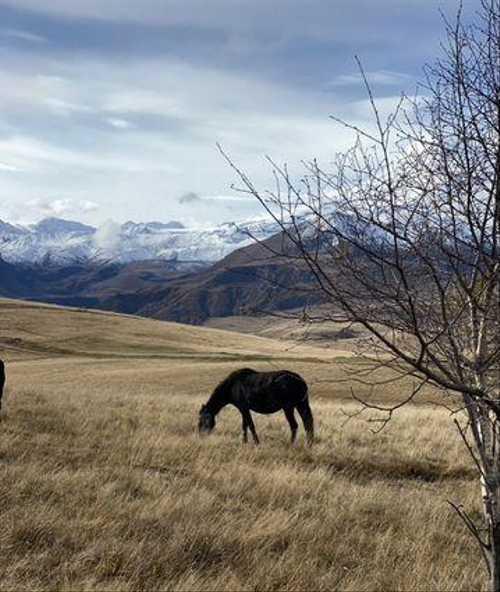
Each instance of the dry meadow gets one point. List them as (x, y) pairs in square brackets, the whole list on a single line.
[(104, 484)]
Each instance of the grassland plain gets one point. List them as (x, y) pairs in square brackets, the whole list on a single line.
[(104, 484)]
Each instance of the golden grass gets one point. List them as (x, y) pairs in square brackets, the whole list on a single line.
[(37, 329), (104, 484)]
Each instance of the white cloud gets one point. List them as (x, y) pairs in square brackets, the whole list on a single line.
[(29, 154), (23, 35), (87, 205), (59, 207), (362, 111), (229, 198), (382, 77), (194, 199), (179, 113), (38, 156), (66, 107), (150, 101), (107, 236), (119, 123), (10, 168), (25, 89)]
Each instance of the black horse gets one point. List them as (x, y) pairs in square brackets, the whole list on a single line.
[(263, 392), (2, 380)]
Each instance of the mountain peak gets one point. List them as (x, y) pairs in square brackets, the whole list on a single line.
[(68, 241), (54, 226), (7, 229)]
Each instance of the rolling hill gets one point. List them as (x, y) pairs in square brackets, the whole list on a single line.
[(39, 330)]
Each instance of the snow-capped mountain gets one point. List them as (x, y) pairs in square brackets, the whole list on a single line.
[(63, 241), (54, 227), (10, 230)]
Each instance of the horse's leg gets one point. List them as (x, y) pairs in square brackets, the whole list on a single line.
[(292, 421), (248, 417), (244, 427), (307, 418)]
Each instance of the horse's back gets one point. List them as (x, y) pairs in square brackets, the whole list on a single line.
[(272, 391), (289, 380)]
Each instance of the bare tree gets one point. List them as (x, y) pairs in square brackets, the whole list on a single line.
[(401, 235)]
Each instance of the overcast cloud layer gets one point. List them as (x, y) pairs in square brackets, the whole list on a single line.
[(112, 109)]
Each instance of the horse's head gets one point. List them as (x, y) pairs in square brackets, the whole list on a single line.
[(206, 422)]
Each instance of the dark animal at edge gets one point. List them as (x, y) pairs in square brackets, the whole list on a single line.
[(262, 392), (2, 380)]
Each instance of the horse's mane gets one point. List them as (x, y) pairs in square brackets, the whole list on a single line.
[(228, 381)]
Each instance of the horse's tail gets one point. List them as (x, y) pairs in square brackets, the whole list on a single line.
[(305, 413), (306, 390), (2, 380), (299, 380), (304, 409)]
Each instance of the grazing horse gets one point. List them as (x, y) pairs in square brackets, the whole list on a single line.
[(262, 392), (2, 380)]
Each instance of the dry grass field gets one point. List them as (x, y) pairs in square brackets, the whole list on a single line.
[(104, 484), (332, 335)]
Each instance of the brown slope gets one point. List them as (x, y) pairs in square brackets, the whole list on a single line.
[(86, 284), (251, 280)]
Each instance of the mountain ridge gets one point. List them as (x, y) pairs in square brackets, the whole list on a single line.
[(249, 280), (60, 241)]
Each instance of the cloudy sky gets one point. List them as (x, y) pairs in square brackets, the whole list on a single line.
[(113, 108)]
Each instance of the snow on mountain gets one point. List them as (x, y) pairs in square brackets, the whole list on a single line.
[(55, 227), (63, 241), (7, 229)]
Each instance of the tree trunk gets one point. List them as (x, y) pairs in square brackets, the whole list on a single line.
[(485, 431), (494, 558), (490, 485)]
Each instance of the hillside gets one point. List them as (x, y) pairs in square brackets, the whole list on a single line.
[(84, 283), (30, 329), (288, 327)]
